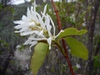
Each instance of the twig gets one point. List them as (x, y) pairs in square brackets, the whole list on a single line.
[(63, 42)]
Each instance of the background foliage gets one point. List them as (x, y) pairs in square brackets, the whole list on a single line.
[(81, 14)]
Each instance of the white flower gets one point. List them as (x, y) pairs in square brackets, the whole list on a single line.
[(83, 24), (44, 0), (78, 66), (37, 27), (18, 46), (72, 17)]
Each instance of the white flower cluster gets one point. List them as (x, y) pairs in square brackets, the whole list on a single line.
[(36, 26)]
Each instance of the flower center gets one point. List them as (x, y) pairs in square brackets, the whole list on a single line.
[(38, 28), (37, 24)]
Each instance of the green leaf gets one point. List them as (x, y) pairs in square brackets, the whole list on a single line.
[(12, 10), (81, 32), (72, 31), (77, 48), (32, 0), (1, 5), (0, 53), (40, 52)]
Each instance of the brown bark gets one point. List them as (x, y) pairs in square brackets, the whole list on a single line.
[(91, 28)]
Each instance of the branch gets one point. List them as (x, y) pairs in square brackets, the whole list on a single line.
[(63, 42)]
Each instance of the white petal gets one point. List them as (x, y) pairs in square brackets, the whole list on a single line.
[(37, 39), (18, 27), (24, 29), (48, 26), (28, 13), (49, 30), (34, 17), (34, 4), (32, 44), (49, 40), (24, 24), (19, 22), (21, 26), (40, 20), (52, 23), (24, 18), (47, 20), (41, 33), (31, 24), (45, 8), (59, 33), (27, 33), (37, 32), (16, 31), (27, 42)]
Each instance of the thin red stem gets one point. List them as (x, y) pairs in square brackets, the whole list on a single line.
[(63, 42), (57, 15)]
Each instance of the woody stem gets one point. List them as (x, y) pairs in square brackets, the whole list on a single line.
[(63, 42)]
